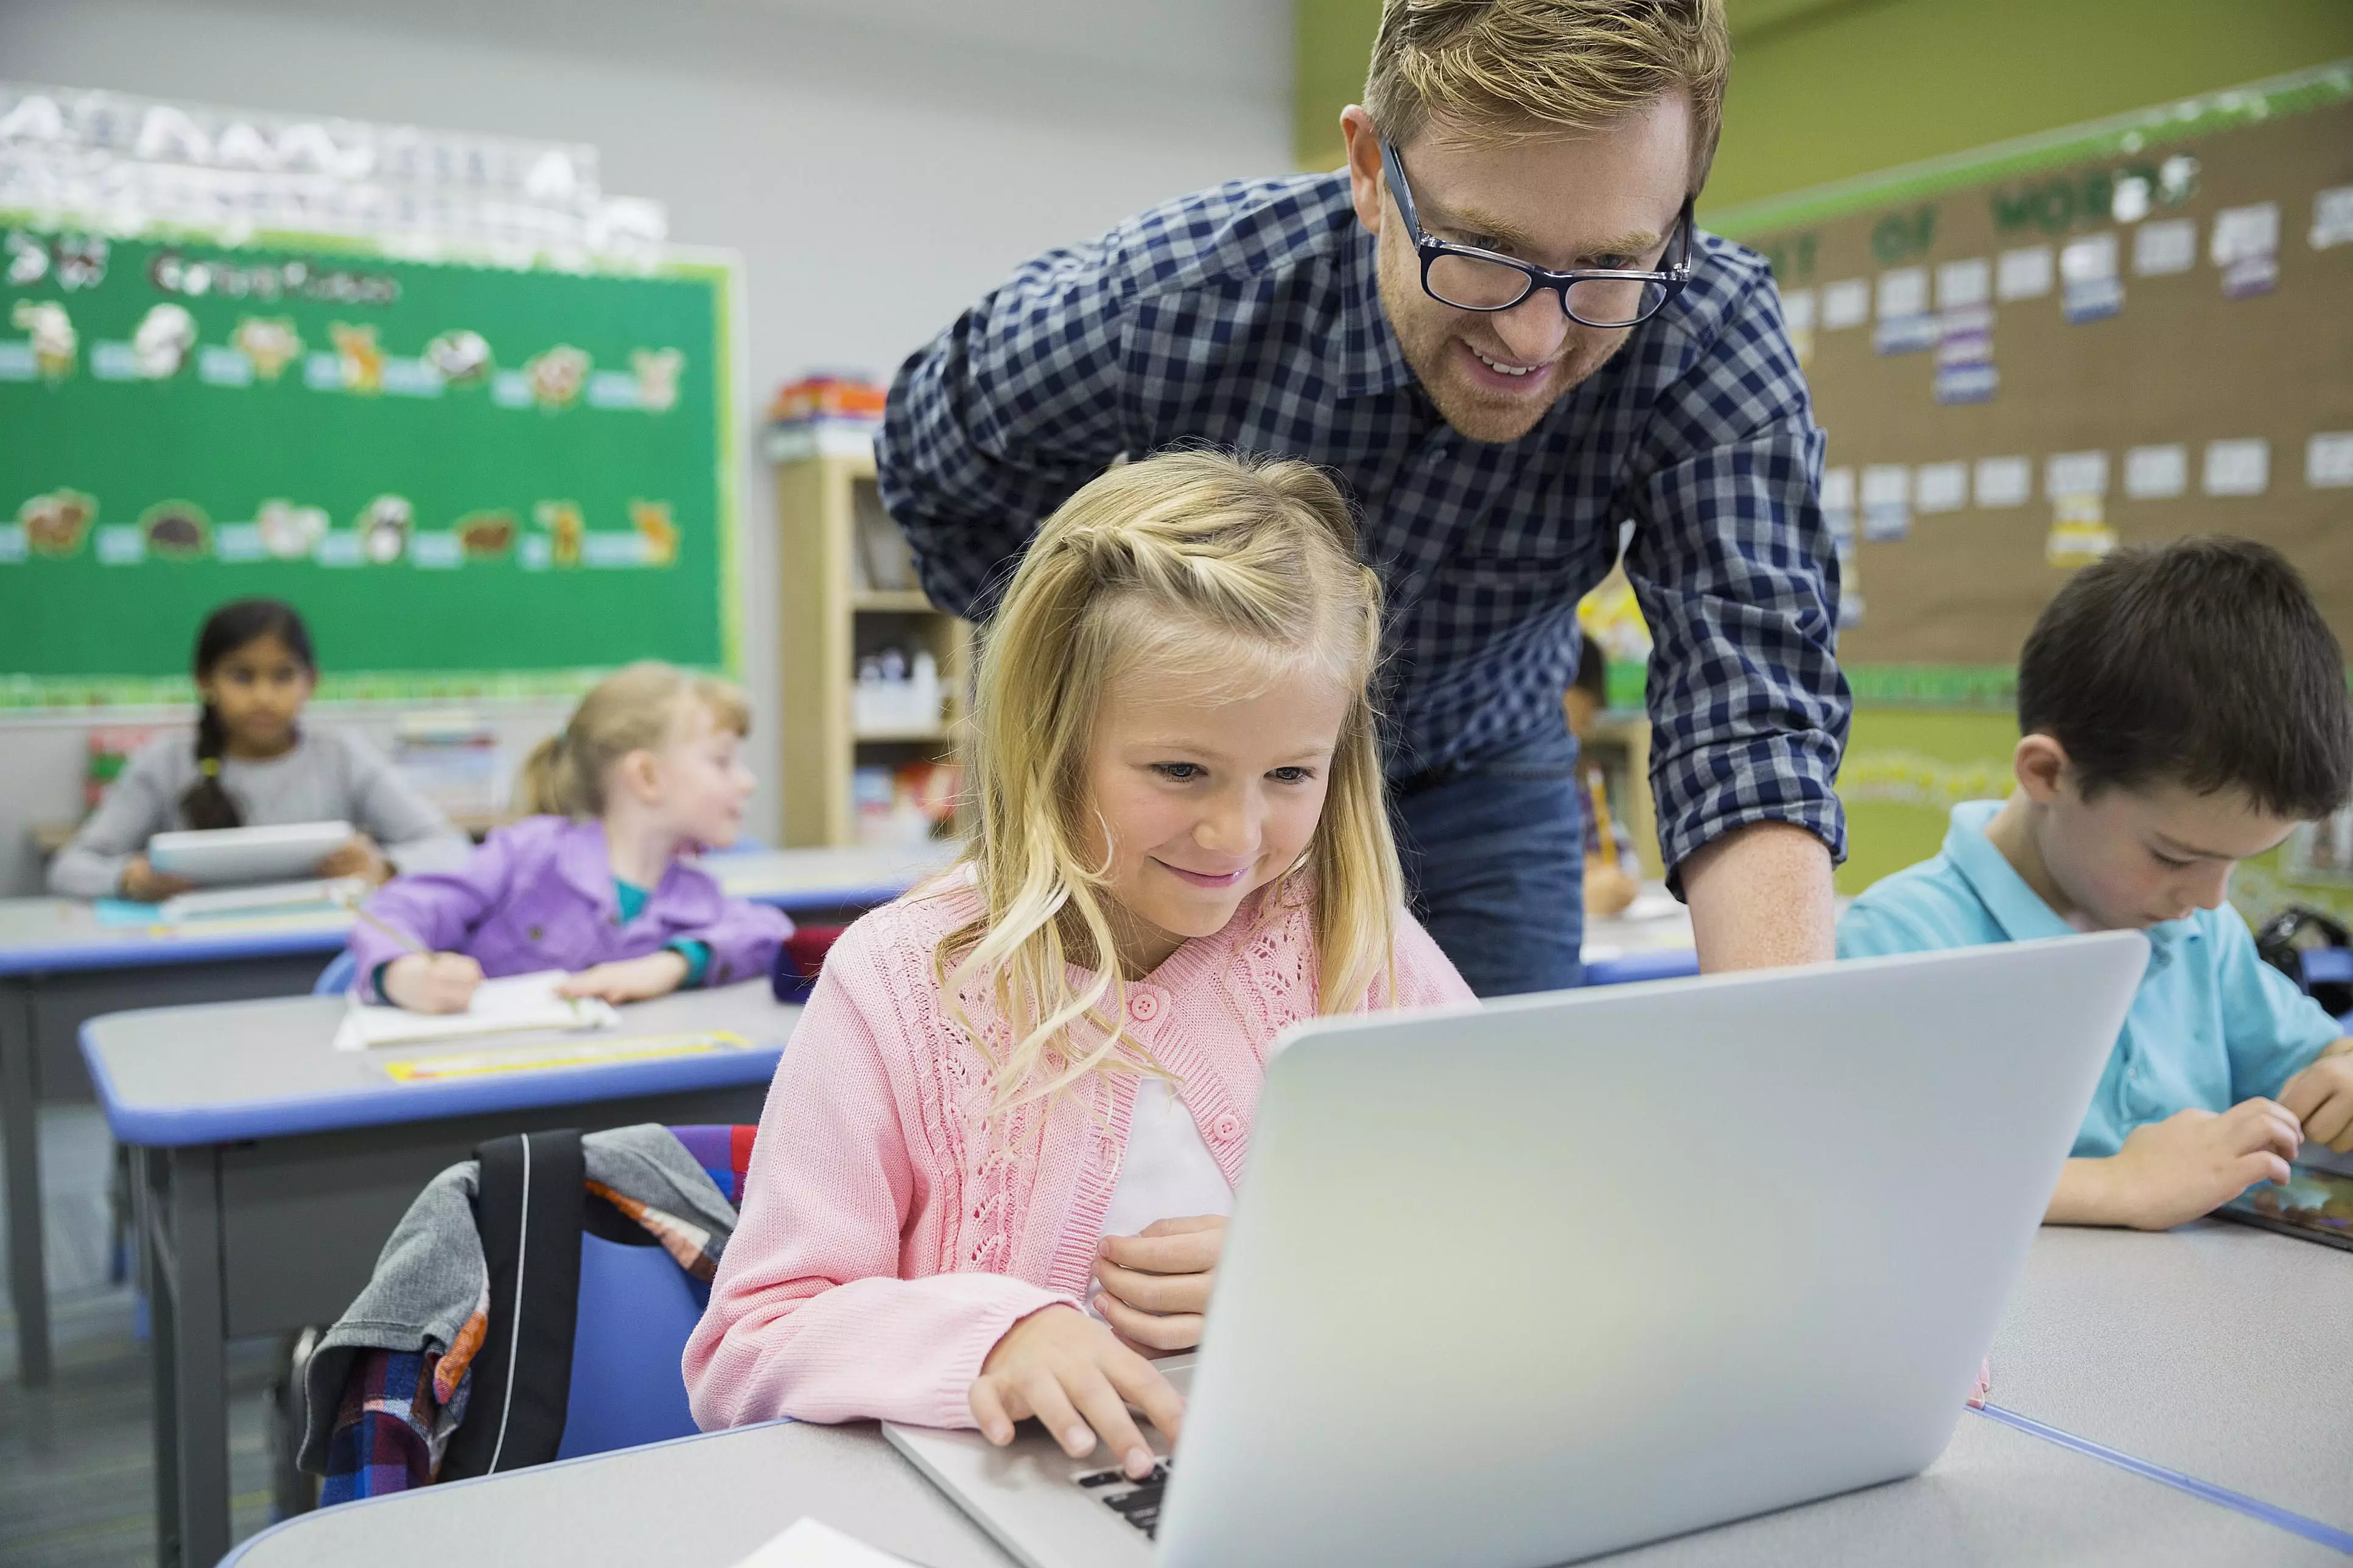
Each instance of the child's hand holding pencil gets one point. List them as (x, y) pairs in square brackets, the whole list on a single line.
[(421, 980)]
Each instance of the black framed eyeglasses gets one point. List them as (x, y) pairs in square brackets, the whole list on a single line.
[(1469, 278)]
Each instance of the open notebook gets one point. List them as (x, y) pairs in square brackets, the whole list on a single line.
[(517, 1002)]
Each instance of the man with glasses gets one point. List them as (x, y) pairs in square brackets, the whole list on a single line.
[(1500, 329)]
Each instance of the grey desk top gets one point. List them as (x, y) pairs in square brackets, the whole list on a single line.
[(2219, 1349), (170, 1076), (1995, 1495), (42, 935), (49, 935), (844, 875)]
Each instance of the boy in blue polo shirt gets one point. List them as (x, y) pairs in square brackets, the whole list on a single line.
[(2182, 710)]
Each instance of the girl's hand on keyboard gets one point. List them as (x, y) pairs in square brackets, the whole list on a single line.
[(1073, 1374), (1155, 1286)]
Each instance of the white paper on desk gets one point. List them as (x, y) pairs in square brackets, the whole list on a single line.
[(517, 1002), (812, 1544), (1651, 904), (317, 895)]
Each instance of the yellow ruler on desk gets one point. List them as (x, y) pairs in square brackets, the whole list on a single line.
[(578, 1053)]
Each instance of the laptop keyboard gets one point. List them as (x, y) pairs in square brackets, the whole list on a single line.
[(1138, 1503)]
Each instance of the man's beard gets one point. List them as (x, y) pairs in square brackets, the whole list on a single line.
[(1427, 343)]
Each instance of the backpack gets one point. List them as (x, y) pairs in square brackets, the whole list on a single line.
[(2306, 945)]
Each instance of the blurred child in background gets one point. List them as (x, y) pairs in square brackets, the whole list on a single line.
[(253, 764), (648, 772)]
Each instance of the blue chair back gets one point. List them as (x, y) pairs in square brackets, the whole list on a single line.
[(337, 977), (637, 1307)]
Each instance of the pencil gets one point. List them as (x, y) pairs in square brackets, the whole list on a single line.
[(402, 937), (1599, 788)]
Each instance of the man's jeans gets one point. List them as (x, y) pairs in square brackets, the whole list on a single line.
[(1494, 863)]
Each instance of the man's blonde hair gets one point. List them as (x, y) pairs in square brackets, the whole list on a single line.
[(1508, 71), (1215, 574)]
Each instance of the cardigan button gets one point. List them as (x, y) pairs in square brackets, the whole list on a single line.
[(1226, 1128), (1143, 1006)]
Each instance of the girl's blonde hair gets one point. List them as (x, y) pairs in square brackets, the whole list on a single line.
[(634, 708), (1225, 573)]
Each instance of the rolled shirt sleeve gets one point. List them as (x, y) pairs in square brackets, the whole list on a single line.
[(1735, 572)]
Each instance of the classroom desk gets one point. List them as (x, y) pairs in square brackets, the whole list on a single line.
[(2219, 1349), (59, 967), (269, 1168), (808, 882), (1995, 1495), (1650, 939)]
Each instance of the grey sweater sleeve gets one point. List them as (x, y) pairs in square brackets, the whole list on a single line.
[(142, 801), (385, 806)]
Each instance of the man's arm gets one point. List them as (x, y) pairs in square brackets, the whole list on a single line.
[(1732, 563), (1760, 897)]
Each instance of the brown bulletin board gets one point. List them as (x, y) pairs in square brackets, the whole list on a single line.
[(2165, 358)]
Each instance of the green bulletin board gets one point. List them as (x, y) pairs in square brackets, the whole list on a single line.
[(471, 480)]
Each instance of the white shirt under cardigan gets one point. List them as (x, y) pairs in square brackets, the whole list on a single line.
[(1167, 1171)]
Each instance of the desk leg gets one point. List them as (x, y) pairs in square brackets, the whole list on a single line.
[(20, 1123), (197, 1364), (151, 1190)]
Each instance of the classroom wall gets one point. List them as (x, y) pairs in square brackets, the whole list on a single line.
[(878, 162), (1822, 89)]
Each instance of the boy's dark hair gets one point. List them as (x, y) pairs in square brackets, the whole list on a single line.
[(2203, 663)]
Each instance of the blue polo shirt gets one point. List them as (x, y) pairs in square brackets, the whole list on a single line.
[(2211, 1024)]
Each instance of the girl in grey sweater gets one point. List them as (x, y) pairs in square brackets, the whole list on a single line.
[(253, 764)]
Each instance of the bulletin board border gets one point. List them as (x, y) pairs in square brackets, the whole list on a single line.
[(720, 269), (2136, 130), (1966, 686)]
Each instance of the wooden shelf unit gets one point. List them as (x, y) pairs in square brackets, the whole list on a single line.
[(827, 618), (1620, 744)]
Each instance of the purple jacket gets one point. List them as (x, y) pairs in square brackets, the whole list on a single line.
[(539, 895)]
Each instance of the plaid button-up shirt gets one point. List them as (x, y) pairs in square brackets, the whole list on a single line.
[(1249, 317)]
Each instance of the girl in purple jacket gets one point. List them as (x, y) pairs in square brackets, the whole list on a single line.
[(649, 769)]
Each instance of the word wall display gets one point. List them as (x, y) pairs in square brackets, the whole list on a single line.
[(2130, 333)]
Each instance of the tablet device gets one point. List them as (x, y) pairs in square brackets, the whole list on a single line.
[(287, 852), (2316, 1205)]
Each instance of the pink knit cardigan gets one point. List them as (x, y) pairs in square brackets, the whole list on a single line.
[(888, 1240)]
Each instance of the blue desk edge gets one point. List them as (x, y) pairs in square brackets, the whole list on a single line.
[(155, 952), (388, 1104)]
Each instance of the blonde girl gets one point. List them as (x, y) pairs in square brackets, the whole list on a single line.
[(992, 1175), (649, 771)]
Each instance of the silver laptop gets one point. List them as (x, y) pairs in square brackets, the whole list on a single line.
[(1513, 1286)]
